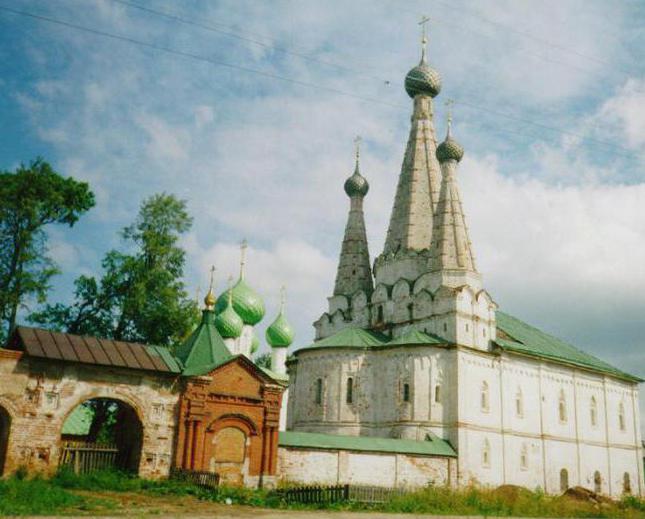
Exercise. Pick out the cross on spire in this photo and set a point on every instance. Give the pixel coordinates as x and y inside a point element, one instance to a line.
<point>424,35</point>
<point>357,147</point>
<point>448,103</point>
<point>283,297</point>
<point>210,284</point>
<point>243,246</point>
<point>230,290</point>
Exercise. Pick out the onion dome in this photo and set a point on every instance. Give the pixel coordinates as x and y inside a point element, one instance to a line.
<point>209,300</point>
<point>246,303</point>
<point>255,344</point>
<point>357,184</point>
<point>422,79</point>
<point>449,149</point>
<point>280,334</point>
<point>228,323</point>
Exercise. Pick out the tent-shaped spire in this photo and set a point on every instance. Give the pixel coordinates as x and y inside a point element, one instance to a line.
<point>354,270</point>
<point>451,247</point>
<point>418,187</point>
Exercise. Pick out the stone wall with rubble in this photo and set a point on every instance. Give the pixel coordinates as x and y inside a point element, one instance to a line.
<point>38,395</point>
<point>336,467</point>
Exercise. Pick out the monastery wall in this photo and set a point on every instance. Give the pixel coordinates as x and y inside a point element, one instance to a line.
<point>524,422</point>
<point>337,467</point>
<point>38,395</point>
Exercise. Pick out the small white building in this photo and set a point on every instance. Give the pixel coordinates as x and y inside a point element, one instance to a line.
<point>416,349</point>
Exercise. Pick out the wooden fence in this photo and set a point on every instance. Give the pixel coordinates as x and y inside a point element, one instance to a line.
<point>84,457</point>
<point>202,479</point>
<point>339,493</point>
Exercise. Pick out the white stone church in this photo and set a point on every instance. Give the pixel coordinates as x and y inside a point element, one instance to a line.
<point>414,352</point>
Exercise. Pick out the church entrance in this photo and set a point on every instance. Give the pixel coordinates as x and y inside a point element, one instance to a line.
<point>5,425</point>
<point>102,434</point>
<point>228,455</point>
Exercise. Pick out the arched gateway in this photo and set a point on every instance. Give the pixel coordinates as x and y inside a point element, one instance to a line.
<point>5,428</point>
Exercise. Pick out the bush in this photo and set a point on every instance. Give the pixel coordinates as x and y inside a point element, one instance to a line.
<point>21,496</point>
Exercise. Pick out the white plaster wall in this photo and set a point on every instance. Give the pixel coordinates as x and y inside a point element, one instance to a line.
<point>360,468</point>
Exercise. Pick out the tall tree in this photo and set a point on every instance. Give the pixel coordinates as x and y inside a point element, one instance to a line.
<point>141,295</point>
<point>31,198</point>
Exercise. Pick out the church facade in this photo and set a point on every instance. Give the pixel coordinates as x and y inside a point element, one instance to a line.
<point>413,347</point>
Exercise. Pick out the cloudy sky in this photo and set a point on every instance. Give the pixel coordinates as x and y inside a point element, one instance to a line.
<point>248,110</point>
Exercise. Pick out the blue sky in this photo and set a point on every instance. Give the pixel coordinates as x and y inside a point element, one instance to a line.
<point>556,216</point>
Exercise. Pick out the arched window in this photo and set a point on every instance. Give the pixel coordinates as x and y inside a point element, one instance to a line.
<point>519,403</point>
<point>406,392</point>
<point>597,482</point>
<point>524,458</point>
<point>562,407</point>
<point>379,314</point>
<point>349,397</point>
<point>437,393</point>
<point>485,401</point>
<point>564,480</point>
<point>486,453</point>
<point>621,416</point>
<point>594,411</point>
<point>627,484</point>
<point>319,391</point>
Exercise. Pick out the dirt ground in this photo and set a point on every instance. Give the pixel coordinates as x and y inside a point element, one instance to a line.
<point>133,505</point>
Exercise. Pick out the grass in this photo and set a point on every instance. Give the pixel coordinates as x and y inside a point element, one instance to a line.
<point>69,493</point>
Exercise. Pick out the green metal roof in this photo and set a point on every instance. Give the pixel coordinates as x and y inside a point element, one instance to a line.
<point>204,350</point>
<point>431,447</point>
<point>530,341</point>
<point>79,421</point>
<point>274,375</point>
<point>352,337</point>
<point>417,337</point>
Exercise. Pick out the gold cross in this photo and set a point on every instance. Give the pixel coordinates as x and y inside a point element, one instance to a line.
<point>243,246</point>
<point>357,146</point>
<point>423,23</point>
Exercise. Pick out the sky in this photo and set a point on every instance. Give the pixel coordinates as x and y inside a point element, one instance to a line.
<point>248,111</point>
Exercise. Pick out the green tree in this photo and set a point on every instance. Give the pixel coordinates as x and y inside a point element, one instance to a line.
<point>263,360</point>
<point>31,198</point>
<point>140,296</point>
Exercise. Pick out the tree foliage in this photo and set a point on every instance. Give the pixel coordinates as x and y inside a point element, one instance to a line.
<point>140,296</point>
<point>31,198</point>
<point>263,360</point>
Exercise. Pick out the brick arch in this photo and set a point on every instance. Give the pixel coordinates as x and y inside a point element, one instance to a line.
<point>246,425</point>
<point>6,420</point>
<point>100,393</point>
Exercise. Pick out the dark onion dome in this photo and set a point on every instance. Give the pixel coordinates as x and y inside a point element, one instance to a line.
<point>423,80</point>
<point>449,149</point>
<point>356,185</point>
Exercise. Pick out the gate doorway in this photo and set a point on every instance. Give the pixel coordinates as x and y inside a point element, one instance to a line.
<point>229,454</point>
<point>102,434</point>
<point>5,425</point>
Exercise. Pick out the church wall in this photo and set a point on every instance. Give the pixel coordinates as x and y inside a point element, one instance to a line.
<point>335,467</point>
<point>40,394</point>
<point>540,440</point>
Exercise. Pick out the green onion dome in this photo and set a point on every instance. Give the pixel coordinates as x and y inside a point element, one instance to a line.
<point>280,334</point>
<point>423,80</point>
<point>228,323</point>
<point>246,303</point>
<point>449,149</point>
<point>356,185</point>
<point>255,344</point>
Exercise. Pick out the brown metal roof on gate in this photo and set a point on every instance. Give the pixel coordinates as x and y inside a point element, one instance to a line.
<point>47,344</point>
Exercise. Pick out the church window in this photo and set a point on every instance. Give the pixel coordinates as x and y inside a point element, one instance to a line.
<point>485,400</point>
<point>621,416</point>
<point>466,326</point>
<point>445,327</point>
<point>564,480</point>
<point>519,403</point>
<point>406,392</point>
<point>594,411</point>
<point>597,482</point>
<point>319,391</point>
<point>562,408</point>
<point>627,484</point>
<point>379,314</point>
<point>484,332</point>
<point>349,397</point>
<point>411,310</point>
<point>524,458</point>
<point>437,393</point>
<point>486,453</point>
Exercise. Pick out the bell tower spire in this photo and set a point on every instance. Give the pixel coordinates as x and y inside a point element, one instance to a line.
<point>410,230</point>
<point>354,270</point>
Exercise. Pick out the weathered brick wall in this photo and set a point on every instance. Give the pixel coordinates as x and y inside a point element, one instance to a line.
<point>38,395</point>
<point>332,467</point>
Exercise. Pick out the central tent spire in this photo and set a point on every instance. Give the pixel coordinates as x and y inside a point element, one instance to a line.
<point>417,191</point>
